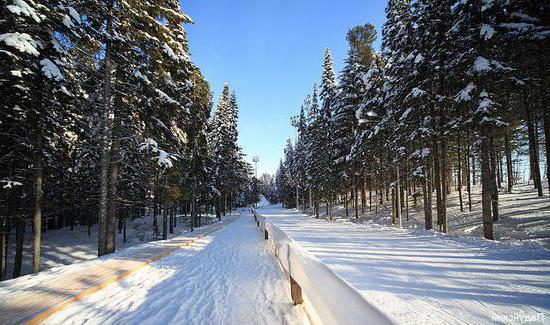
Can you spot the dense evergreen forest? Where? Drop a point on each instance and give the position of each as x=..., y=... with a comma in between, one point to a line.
x=104, y=119
x=457, y=96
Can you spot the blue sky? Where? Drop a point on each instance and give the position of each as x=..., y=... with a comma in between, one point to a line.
x=270, y=52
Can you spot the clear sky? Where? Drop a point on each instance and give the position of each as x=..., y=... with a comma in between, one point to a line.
x=270, y=52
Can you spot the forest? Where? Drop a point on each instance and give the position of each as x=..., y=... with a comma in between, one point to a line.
x=457, y=97
x=105, y=119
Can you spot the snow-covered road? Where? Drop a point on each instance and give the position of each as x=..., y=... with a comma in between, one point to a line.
x=228, y=277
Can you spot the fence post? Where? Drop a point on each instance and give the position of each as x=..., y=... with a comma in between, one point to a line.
x=295, y=292
x=266, y=235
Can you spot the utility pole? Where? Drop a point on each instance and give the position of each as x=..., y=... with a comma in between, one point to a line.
x=255, y=159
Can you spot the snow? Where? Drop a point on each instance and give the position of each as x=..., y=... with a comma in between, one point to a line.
x=263, y=202
x=481, y=64
x=423, y=277
x=168, y=50
x=51, y=70
x=486, y=31
x=141, y=76
x=22, y=42
x=74, y=15
x=485, y=104
x=419, y=58
x=10, y=183
x=62, y=247
x=228, y=277
x=164, y=159
x=16, y=73
x=405, y=114
x=520, y=27
x=416, y=92
x=166, y=98
x=20, y=7
x=524, y=17
x=464, y=94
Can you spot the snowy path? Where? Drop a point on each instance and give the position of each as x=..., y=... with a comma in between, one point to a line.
x=426, y=278
x=229, y=277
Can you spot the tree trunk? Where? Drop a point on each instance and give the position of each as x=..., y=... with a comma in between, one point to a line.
x=468, y=181
x=474, y=182
x=533, y=146
x=124, y=230
x=494, y=196
x=508, y=153
x=19, y=239
x=346, y=204
x=437, y=176
x=171, y=229
x=427, y=196
x=193, y=206
x=164, y=222
x=3, y=248
x=547, y=144
x=105, y=142
x=363, y=194
x=459, y=172
x=114, y=162
x=444, y=185
x=355, y=197
x=38, y=192
x=486, y=185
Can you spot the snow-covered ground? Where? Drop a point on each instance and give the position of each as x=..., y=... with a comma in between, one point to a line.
x=422, y=277
x=524, y=216
x=64, y=246
x=263, y=202
x=228, y=277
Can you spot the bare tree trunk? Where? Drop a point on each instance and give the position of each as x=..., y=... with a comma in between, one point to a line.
x=459, y=172
x=444, y=185
x=500, y=175
x=438, y=189
x=3, y=248
x=363, y=196
x=19, y=238
x=346, y=204
x=171, y=228
x=508, y=153
x=124, y=230
x=486, y=185
x=494, y=196
x=474, y=181
x=533, y=146
x=105, y=141
x=468, y=181
x=164, y=222
x=114, y=162
x=193, y=205
x=355, y=197
x=427, y=196
x=38, y=192
x=393, y=207
x=547, y=144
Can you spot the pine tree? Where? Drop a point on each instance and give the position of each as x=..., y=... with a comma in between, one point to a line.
x=37, y=101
